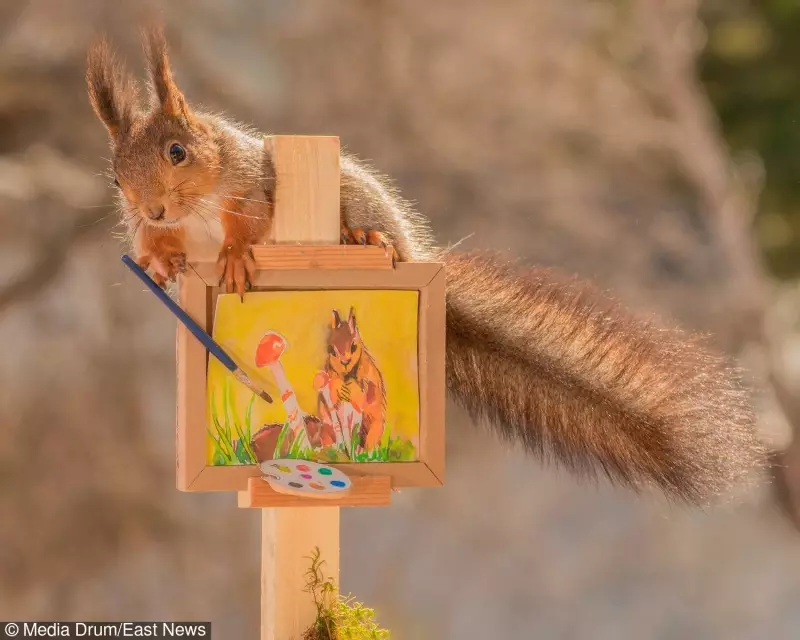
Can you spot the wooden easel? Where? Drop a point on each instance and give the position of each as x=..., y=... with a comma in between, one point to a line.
x=307, y=212
x=307, y=255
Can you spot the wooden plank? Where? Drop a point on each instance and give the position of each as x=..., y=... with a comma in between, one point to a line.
x=192, y=359
x=407, y=275
x=289, y=536
x=306, y=189
x=366, y=491
x=323, y=257
x=432, y=374
x=306, y=211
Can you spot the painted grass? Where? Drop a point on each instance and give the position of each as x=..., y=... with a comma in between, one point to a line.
x=232, y=435
x=391, y=450
x=231, y=438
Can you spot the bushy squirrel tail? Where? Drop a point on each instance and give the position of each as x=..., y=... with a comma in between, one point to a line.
x=565, y=372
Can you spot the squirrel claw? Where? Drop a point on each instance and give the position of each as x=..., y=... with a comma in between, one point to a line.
x=357, y=236
x=177, y=262
x=390, y=250
x=165, y=266
x=237, y=268
x=369, y=238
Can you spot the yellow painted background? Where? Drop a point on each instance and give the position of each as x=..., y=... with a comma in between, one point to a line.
x=386, y=320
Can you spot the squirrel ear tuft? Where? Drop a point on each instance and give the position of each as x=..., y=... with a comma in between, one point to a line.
x=351, y=320
x=112, y=92
x=164, y=92
x=336, y=321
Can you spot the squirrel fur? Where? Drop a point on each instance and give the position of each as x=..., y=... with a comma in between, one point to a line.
x=551, y=365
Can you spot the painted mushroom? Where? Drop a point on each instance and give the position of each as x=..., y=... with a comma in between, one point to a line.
x=268, y=354
x=332, y=413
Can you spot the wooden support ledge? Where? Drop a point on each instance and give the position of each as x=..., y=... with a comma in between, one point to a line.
x=366, y=491
x=277, y=257
x=346, y=256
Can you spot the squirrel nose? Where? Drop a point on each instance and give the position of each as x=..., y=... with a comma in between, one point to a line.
x=155, y=212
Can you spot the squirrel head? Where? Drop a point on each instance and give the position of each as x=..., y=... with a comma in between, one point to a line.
x=344, y=343
x=165, y=158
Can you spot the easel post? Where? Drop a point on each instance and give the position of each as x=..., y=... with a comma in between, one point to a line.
x=306, y=211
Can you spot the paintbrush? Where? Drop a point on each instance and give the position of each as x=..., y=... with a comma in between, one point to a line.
x=206, y=340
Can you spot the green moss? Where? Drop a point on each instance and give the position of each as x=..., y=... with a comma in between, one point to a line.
x=338, y=617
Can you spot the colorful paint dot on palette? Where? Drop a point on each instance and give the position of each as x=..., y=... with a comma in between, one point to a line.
x=305, y=478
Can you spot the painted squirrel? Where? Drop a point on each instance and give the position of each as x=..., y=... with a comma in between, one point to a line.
x=552, y=366
x=355, y=378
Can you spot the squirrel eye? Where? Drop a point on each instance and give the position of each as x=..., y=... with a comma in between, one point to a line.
x=353, y=348
x=177, y=153
x=116, y=182
x=331, y=350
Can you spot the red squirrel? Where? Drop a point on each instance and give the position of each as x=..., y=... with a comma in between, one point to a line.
x=581, y=383
x=355, y=378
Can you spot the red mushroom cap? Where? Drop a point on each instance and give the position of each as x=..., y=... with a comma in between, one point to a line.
x=270, y=349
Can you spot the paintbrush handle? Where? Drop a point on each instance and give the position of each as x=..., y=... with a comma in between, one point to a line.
x=242, y=377
x=206, y=340
x=179, y=313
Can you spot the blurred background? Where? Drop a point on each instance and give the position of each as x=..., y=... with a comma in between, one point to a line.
x=649, y=145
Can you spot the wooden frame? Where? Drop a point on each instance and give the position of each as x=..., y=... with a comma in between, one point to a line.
x=307, y=267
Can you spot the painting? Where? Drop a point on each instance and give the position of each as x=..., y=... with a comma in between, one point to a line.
x=349, y=350
x=341, y=366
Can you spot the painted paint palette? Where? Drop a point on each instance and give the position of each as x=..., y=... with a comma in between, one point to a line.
x=304, y=478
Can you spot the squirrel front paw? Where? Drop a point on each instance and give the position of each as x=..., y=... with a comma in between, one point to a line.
x=369, y=237
x=339, y=393
x=236, y=267
x=166, y=264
